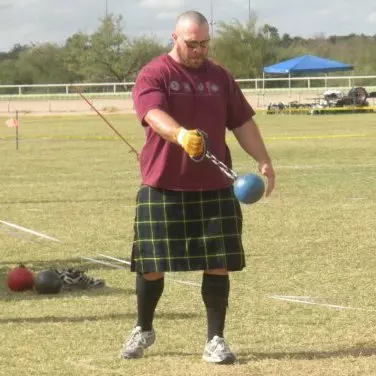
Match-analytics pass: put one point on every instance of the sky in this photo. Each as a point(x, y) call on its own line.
point(39, 21)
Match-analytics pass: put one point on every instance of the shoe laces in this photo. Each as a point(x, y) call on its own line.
point(75, 276)
point(136, 338)
point(219, 344)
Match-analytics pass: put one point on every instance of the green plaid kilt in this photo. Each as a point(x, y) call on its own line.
point(182, 231)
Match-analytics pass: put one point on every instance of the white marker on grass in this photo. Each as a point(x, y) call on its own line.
point(309, 300)
point(128, 263)
point(30, 231)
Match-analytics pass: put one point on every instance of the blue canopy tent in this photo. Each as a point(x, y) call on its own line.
point(305, 64)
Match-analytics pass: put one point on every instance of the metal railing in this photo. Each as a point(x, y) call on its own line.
point(124, 88)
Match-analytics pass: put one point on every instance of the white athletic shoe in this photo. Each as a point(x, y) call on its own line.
point(217, 351)
point(136, 344)
point(74, 278)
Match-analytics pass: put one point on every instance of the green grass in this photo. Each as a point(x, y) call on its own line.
point(73, 179)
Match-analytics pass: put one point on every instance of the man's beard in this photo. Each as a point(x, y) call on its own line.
point(191, 62)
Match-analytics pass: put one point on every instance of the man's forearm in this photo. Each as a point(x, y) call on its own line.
point(163, 124)
point(170, 130)
point(249, 138)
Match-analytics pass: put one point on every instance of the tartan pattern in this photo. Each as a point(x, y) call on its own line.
point(182, 231)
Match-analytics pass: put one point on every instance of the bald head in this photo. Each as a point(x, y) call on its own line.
point(191, 39)
point(188, 19)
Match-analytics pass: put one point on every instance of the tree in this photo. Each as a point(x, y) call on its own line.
point(13, 53)
point(8, 73)
point(112, 56)
point(42, 64)
point(244, 49)
point(107, 49)
point(141, 50)
point(108, 55)
point(271, 33)
point(76, 57)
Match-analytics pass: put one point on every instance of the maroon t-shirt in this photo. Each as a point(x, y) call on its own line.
point(206, 98)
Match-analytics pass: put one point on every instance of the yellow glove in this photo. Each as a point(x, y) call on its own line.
point(190, 141)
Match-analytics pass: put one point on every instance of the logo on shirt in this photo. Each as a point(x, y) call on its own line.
point(200, 87)
point(187, 87)
point(214, 88)
point(174, 86)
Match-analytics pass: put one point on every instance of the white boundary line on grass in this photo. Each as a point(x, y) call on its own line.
point(30, 231)
point(102, 262)
point(309, 300)
point(115, 259)
point(188, 283)
point(18, 236)
point(128, 264)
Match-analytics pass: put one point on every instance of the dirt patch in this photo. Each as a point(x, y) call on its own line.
point(71, 107)
point(125, 105)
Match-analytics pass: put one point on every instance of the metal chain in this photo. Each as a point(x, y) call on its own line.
point(225, 169)
point(212, 158)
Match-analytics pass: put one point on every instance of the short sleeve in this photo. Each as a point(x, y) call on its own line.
point(239, 110)
point(149, 93)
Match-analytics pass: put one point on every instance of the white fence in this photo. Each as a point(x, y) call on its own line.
point(256, 84)
point(115, 97)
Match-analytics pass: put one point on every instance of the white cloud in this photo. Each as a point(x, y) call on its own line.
point(167, 15)
point(169, 4)
point(5, 6)
point(372, 17)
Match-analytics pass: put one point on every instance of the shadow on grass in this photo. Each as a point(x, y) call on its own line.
point(9, 296)
point(68, 200)
point(361, 350)
point(79, 319)
point(177, 354)
point(38, 265)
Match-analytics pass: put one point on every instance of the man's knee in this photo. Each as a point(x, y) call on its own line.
point(153, 276)
point(221, 271)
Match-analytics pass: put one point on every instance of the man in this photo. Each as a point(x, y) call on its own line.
point(187, 217)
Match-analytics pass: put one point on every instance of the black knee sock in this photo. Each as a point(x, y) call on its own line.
point(148, 294)
point(215, 292)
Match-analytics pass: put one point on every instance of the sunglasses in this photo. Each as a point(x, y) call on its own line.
point(192, 44)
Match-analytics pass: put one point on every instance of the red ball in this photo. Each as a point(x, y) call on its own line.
point(20, 279)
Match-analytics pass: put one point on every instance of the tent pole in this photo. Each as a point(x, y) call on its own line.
point(263, 89)
point(290, 93)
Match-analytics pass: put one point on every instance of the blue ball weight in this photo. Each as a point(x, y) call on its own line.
point(249, 188)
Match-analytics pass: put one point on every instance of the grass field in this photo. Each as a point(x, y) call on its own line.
point(315, 238)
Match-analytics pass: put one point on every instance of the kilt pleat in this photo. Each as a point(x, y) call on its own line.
point(183, 231)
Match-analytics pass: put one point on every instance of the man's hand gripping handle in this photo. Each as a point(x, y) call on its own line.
point(194, 143)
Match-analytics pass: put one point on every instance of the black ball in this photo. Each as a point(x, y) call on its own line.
point(48, 282)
